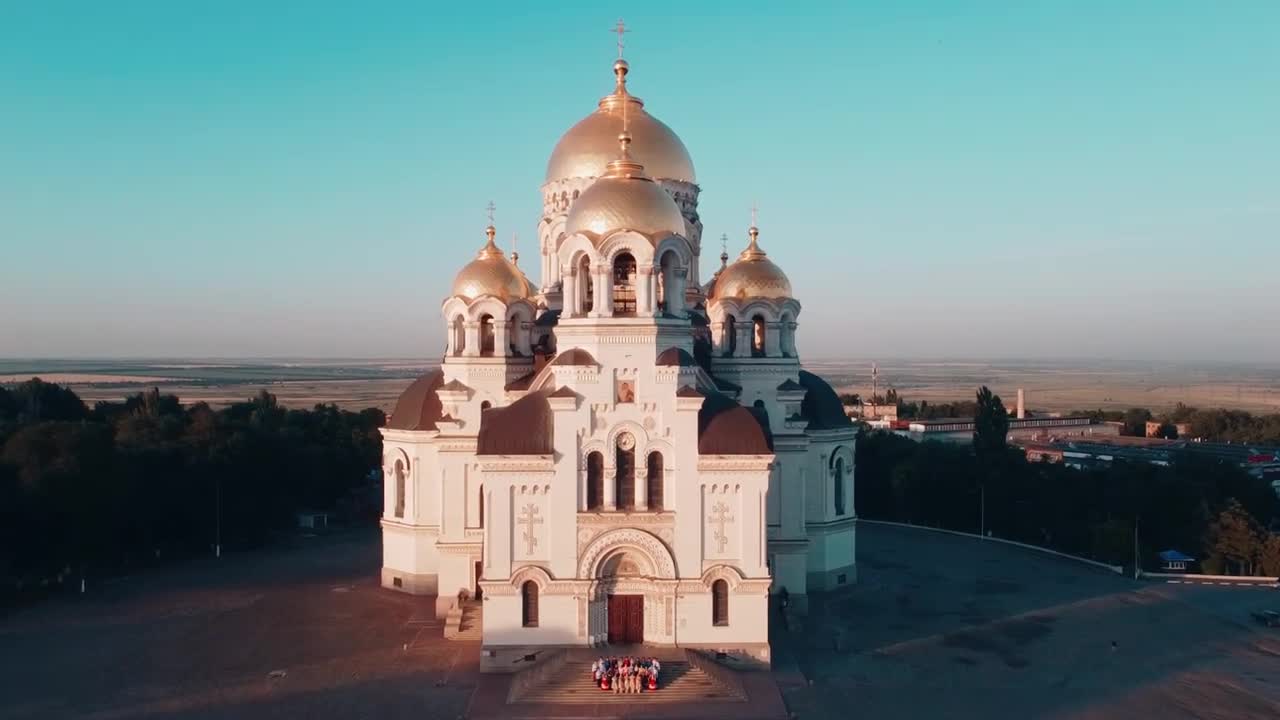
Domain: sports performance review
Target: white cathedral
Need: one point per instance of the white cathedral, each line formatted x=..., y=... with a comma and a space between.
x=621, y=454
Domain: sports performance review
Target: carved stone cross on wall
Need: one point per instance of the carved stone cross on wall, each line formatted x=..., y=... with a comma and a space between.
x=530, y=520
x=720, y=517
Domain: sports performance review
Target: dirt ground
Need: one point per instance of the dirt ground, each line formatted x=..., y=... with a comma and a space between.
x=937, y=626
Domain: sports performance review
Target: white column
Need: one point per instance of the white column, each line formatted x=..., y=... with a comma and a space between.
x=569, y=294
x=645, y=304
x=744, y=329
x=501, y=338
x=773, y=339
x=610, y=488
x=642, y=486
x=676, y=305
x=471, y=328
x=598, y=293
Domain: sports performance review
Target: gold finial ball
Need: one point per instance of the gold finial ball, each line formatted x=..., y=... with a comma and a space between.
x=621, y=67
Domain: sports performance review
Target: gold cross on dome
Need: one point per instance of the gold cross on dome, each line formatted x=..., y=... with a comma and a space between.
x=753, y=213
x=620, y=28
x=489, y=210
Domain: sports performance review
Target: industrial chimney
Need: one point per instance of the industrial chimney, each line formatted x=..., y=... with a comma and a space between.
x=1022, y=404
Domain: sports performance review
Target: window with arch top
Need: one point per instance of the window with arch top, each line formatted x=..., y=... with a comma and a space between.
x=400, y=482
x=486, y=335
x=595, y=481
x=731, y=333
x=654, y=485
x=837, y=485
x=459, y=329
x=529, y=604
x=624, y=284
x=719, y=603
x=625, y=467
x=757, y=336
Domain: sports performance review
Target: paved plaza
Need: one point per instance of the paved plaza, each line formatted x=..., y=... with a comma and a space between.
x=938, y=626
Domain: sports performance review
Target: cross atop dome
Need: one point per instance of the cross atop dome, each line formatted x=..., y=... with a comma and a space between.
x=620, y=29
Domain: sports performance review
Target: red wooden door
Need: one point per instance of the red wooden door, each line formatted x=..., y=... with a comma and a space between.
x=626, y=619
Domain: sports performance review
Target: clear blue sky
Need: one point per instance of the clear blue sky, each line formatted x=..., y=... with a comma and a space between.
x=1034, y=179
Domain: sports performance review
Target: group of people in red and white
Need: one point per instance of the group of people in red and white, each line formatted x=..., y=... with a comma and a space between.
x=626, y=674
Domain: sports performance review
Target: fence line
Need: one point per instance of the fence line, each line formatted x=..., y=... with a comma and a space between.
x=1117, y=569
x=1262, y=580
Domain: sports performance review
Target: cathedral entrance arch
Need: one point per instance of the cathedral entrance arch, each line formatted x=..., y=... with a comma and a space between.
x=632, y=576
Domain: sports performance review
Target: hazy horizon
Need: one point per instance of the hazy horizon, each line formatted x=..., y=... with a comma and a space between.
x=1057, y=182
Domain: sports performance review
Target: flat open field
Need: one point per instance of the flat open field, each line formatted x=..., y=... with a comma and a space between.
x=357, y=384
x=937, y=626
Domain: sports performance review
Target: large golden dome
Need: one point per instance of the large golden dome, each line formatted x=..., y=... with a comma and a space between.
x=752, y=275
x=624, y=198
x=491, y=273
x=592, y=143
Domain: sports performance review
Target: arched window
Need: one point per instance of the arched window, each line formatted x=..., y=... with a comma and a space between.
x=481, y=506
x=529, y=603
x=668, y=287
x=720, y=603
x=586, y=297
x=837, y=487
x=399, y=477
x=624, y=284
x=595, y=481
x=486, y=335
x=654, y=475
x=731, y=335
x=459, y=335
x=625, y=466
x=757, y=336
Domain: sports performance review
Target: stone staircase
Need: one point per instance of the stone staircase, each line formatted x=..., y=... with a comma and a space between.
x=680, y=682
x=465, y=622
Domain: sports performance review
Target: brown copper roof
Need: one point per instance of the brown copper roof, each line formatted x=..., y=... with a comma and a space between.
x=523, y=382
x=727, y=428
x=418, y=407
x=455, y=386
x=564, y=391
x=676, y=357
x=725, y=384
x=575, y=356
x=821, y=406
x=688, y=391
x=790, y=385
x=525, y=427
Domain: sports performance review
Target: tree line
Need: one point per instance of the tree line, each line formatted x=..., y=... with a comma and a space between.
x=1210, y=509
x=1212, y=424
x=93, y=491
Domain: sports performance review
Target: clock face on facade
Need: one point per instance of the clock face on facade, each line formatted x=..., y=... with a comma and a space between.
x=626, y=441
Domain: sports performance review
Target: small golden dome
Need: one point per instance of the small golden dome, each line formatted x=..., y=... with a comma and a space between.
x=752, y=275
x=491, y=273
x=625, y=199
x=587, y=147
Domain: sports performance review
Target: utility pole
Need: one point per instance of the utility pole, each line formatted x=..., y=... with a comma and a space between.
x=982, y=522
x=217, y=531
x=1137, y=554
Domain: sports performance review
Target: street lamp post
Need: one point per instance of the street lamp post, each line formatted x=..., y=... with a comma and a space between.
x=982, y=517
x=217, y=531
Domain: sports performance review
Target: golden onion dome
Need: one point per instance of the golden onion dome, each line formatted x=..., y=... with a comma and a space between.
x=491, y=273
x=587, y=147
x=625, y=198
x=752, y=275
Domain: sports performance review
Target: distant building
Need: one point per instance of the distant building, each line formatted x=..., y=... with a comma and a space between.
x=960, y=430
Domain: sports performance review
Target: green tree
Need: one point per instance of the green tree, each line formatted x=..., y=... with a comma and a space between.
x=991, y=425
x=1234, y=540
